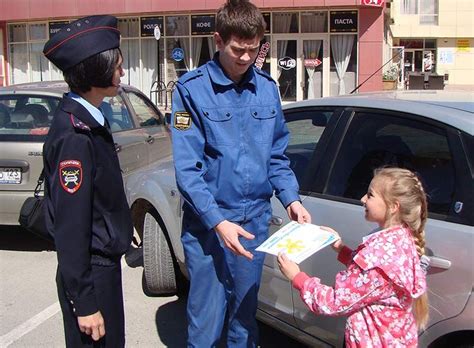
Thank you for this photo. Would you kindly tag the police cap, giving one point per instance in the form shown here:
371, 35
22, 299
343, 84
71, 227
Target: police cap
82, 39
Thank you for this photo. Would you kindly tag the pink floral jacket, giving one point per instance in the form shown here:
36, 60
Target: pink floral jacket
376, 291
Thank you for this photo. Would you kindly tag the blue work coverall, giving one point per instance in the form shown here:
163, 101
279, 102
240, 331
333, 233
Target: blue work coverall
228, 144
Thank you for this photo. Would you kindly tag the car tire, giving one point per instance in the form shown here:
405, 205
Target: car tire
159, 265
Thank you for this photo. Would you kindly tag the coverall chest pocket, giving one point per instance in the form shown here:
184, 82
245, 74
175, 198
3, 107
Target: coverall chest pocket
221, 126
263, 123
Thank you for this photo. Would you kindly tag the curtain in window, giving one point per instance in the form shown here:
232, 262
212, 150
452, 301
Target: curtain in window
341, 48
19, 63
38, 63
281, 24
310, 46
196, 55
212, 46
131, 62
149, 64
409, 7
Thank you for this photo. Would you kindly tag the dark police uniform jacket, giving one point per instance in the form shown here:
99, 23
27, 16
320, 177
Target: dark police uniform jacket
86, 204
229, 144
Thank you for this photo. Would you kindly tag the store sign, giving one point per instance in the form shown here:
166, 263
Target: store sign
54, 27
148, 24
375, 3
311, 63
203, 25
262, 55
343, 21
177, 54
287, 63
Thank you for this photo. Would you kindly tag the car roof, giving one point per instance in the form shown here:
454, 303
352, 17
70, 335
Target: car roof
455, 108
46, 87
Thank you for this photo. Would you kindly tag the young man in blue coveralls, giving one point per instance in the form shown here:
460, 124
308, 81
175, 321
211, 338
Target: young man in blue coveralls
229, 138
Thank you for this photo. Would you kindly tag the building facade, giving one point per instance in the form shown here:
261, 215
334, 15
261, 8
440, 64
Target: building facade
434, 37
312, 48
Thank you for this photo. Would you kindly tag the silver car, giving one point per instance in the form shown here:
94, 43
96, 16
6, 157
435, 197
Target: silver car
335, 145
26, 110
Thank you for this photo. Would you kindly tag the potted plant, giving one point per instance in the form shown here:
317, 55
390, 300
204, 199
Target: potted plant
390, 78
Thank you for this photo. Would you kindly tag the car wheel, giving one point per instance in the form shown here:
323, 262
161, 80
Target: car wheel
159, 270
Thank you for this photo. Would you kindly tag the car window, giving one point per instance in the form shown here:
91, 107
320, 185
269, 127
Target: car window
376, 139
116, 113
22, 115
306, 127
146, 113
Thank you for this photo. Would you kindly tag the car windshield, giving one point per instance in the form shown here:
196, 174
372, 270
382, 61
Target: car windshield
24, 117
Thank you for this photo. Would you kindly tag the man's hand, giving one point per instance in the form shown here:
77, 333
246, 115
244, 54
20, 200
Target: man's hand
92, 325
230, 232
298, 213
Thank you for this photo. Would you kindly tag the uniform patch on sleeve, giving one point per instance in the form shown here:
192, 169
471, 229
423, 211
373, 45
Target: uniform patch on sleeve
182, 120
70, 175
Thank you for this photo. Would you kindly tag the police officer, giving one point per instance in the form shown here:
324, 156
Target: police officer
87, 209
229, 138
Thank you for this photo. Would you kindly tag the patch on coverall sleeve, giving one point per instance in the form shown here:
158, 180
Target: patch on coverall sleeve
182, 120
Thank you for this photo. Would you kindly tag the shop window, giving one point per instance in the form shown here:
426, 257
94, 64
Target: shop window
18, 63
131, 61
343, 64
314, 22
38, 32
284, 22
264, 57
177, 57
203, 49
17, 32
177, 26
152, 61
129, 27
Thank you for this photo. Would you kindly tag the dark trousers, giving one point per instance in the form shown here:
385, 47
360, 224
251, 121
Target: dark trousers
224, 287
108, 291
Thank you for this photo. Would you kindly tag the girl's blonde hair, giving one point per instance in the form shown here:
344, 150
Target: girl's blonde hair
403, 186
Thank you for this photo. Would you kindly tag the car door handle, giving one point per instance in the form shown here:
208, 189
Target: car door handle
150, 139
118, 147
276, 220
438, 262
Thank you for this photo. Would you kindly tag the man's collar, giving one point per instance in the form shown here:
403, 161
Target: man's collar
219, 77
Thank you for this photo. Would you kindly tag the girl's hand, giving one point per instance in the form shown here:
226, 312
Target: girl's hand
287, 267
337, 245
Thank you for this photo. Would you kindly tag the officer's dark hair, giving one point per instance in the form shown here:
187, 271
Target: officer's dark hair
240, 18
95, 71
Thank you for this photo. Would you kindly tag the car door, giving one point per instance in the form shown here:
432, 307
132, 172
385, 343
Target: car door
152, 123
129, 138
307, 141
365, 140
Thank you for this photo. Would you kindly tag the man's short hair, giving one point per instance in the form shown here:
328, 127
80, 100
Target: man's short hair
240, 18
95, 71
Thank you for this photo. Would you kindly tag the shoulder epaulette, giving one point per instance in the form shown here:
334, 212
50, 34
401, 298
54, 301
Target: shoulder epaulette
191, 75
77, 123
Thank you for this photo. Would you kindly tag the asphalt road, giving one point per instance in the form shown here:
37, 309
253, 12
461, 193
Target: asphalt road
30, 315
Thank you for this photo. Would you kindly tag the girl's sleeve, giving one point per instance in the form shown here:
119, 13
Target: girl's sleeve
345, 255
353, 290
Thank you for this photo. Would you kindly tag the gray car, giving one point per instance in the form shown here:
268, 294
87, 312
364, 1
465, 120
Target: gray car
335, 145
26, 110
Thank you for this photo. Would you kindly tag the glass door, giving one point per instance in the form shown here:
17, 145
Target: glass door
286, 72
312, 72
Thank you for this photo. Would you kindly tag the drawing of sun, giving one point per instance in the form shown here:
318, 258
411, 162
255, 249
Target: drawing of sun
291, 246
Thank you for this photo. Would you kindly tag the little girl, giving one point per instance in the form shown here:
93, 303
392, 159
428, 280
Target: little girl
383, 289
